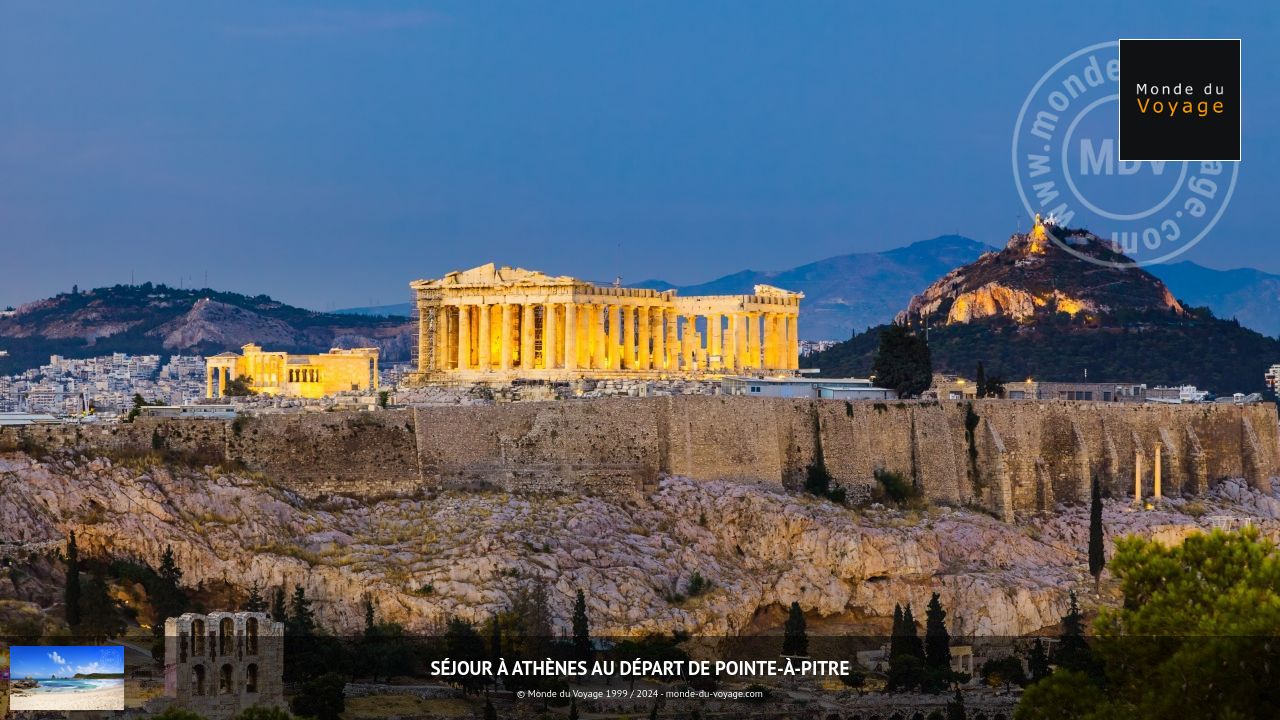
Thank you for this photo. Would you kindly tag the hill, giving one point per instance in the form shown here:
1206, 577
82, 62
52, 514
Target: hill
1248, 295
156, 319
853, 291
1035, 310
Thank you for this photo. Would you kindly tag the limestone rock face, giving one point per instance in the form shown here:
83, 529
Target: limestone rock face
463, 554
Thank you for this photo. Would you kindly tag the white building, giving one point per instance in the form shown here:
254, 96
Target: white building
1273, 378
825, 388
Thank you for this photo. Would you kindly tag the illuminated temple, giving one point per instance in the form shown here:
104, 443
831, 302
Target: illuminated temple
501, 324
280, 373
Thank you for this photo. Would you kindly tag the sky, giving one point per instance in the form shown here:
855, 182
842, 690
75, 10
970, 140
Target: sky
45, 661
329, 153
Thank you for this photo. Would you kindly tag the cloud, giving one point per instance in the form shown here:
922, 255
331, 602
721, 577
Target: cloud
94, 667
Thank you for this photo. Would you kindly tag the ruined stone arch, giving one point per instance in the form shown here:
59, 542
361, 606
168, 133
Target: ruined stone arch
251, 636
226, 680
198, 680
251, 678
197, 637
226, 636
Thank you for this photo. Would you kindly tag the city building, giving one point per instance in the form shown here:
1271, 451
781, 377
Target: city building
1273, 378
952, 387
207, 412
801, 387
1177, 395
282, 373
492, 324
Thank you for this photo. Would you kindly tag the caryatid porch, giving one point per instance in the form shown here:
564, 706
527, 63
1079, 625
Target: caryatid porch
501, 324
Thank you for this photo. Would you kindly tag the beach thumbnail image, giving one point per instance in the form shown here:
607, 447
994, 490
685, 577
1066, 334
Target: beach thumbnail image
66, 677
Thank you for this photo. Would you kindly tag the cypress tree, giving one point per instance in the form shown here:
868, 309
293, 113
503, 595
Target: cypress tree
1097, 554
368, 616
1038, 662
937, 645
981, 381
278, 611
573, 709
489, 712
71, 596
581, 629
795, 641
911, 634
255, 602
895, 639
302, 621
955, 708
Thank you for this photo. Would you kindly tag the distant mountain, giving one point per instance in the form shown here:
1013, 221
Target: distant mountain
1034, 310
1248, 295
155, 319
396, 310
849, 292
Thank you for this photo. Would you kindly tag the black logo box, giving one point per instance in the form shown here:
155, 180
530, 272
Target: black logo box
1185, 64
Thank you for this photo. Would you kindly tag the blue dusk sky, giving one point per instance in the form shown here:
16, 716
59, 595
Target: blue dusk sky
328, 153
42, 661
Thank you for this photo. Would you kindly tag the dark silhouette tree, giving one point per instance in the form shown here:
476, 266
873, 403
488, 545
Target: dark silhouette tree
71, 594
955, 708
906, 656
278, 608
97, 611
1073, 651
301, 621
980, 381
937, 647
255, 602
1037, 662
582, 648
321, 698
490, 713
903, 363
795, 639
1097, 550
463, 643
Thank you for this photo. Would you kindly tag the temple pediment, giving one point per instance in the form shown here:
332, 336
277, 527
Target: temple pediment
771, 291
490, 275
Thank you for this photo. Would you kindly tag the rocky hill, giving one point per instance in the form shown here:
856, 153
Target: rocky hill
1033, 309
458, 553
155, 319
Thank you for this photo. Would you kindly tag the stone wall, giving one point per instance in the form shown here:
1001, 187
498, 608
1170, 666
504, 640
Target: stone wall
1008, 456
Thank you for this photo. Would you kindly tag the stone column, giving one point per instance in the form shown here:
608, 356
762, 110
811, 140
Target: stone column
642, 344
550, 341
1137, 478
424, 337
658, 328
770, 340
628, 337
715, 344
223, 376
464, 337
794, 341
1155, 490
570, 336
527, 323
689, 344
444, 338
673, 340
485, 341
730, 343
208, 381
740, 340
505, 338
614, 361
753, 340
599, 341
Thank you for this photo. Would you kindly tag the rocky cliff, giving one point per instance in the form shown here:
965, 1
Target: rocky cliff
432, 555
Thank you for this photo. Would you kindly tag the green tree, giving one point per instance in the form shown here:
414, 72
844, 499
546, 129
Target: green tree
167, 596
301, 621
1004, 671
1073, 652
573, 709
1097, 551
255, 602
240, 386
581, 629
368, 615
795, 639
1037, 662
173, 712
903, 363
99, 619
955, 708
906, 654
321, 698
278, 608
937, 646
1193, 638
490, 713
258, 712
71, 593
980, 381
462, 642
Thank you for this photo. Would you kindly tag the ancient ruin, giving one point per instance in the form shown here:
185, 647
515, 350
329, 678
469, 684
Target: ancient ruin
219, 664
492, 324
281, 373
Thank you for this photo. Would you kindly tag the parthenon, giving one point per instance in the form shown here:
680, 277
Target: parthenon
497, 324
